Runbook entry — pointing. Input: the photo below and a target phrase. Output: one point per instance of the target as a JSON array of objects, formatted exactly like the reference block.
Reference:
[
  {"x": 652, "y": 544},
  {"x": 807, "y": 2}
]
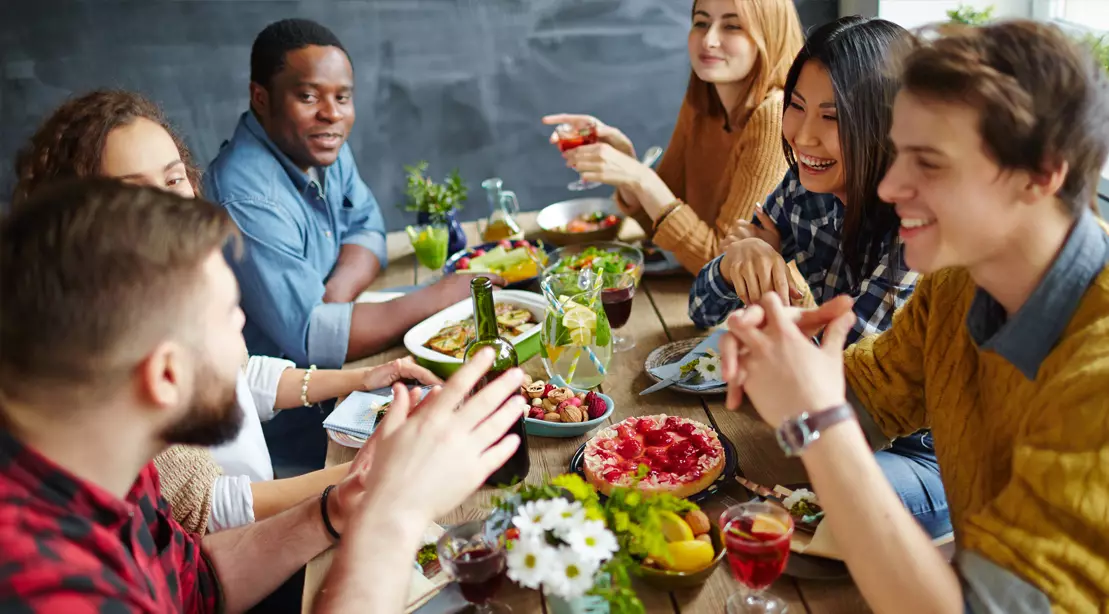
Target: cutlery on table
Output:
[{"x": 680, "y": 378}]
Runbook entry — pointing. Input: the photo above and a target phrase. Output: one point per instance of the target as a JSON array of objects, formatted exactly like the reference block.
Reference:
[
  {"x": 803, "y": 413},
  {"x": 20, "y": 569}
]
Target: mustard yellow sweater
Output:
[{"x": 1025, "y": 463}]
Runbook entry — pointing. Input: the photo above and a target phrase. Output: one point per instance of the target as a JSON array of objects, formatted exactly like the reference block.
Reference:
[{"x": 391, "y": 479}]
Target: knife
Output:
[
  {"x": 807, "y": 523},
  {"x": 670, "y": 381}
]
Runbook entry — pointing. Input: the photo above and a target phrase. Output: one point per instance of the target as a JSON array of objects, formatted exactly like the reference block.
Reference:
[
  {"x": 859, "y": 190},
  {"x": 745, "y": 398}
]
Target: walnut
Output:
[
  {"x": 581, "y": 395},
  {"x": 536, "y": 388},
  {"x": 537, "y": 402},
  {"x": 560, "y": 394},
  {"x": 553, "y": 417},
  {"x": 569, "y": 413}
]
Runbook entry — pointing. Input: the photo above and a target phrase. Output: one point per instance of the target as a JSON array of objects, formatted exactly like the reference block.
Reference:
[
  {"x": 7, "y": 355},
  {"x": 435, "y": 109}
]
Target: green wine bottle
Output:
[{"x": 517, "y": 466}]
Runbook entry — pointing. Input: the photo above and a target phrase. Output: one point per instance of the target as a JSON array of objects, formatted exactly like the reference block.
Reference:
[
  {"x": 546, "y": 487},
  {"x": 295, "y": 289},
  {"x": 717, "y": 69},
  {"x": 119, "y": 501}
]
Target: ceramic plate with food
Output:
[{"x": 447, "y": 326}]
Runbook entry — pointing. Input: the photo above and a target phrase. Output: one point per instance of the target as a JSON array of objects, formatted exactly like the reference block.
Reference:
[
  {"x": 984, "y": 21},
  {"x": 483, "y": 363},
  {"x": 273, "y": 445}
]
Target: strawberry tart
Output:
[{"x": 683, "y": 457}]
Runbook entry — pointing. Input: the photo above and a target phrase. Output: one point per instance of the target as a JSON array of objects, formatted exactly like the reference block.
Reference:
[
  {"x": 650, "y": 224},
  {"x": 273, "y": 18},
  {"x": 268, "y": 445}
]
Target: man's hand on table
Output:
[{"x": 456, "y": 287}]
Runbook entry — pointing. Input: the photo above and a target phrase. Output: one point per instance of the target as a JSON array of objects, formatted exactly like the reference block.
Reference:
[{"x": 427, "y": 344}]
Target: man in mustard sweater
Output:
[{"x": 1003, "y": 350}]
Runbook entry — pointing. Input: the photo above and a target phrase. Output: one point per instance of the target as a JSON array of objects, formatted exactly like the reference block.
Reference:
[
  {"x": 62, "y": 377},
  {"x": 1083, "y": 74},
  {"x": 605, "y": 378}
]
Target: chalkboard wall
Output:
[{"x": 460, "y": 83}]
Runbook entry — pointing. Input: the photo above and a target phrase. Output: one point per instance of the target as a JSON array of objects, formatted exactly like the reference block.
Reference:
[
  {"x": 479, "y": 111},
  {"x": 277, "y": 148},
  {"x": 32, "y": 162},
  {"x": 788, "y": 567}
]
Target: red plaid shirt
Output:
[{"x": 68, "y": 546}]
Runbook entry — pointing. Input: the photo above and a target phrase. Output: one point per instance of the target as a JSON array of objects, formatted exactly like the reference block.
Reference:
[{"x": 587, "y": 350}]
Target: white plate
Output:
[
  {"x": 343, "y": 439},
  {"x": 416, "y": 336}
]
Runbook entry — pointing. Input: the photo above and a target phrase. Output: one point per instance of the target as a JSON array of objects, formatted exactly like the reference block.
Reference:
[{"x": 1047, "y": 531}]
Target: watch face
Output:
[{"x": 792, "y": 435}]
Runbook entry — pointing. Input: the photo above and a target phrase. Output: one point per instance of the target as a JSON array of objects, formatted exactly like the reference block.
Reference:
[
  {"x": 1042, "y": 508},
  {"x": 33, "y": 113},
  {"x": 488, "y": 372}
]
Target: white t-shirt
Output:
[{"x": 246, "y": 458}]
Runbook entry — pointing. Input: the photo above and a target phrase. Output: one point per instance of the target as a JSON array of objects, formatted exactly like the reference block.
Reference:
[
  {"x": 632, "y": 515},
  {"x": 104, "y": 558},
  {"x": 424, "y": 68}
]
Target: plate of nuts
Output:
[{"x": 559, "y": 410}]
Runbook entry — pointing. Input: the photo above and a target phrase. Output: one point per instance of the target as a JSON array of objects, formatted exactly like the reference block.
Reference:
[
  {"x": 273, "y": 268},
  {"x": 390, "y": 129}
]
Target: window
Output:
[{"x": 1092, "y": 14}]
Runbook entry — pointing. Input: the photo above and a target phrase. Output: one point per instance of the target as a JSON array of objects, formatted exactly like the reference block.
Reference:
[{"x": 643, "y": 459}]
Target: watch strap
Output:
[{"x": 797, "y": 434}]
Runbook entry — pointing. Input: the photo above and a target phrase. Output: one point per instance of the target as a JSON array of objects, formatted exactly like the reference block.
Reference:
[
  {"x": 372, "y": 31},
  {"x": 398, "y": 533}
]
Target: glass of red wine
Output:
[
  {"x": 570, "y": 137},
  {"x": 475, "y": 556},
  {"x": 619, "y": 290},
  {"x": 756, "y": 536}
]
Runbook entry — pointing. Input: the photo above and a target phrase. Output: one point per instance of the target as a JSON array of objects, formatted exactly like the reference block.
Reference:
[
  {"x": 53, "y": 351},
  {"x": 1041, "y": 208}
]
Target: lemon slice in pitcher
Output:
[{"x": 580, "y": 317}]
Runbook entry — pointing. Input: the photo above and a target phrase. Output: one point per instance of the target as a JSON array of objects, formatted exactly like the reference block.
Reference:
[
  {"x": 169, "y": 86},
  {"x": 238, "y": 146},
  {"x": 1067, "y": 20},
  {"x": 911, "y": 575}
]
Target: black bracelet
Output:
[{"x": 326, "y": 518}]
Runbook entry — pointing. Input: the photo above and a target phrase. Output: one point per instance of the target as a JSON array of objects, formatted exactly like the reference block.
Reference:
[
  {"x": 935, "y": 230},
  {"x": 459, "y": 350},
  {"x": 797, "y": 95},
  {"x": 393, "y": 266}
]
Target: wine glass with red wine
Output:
[
  {"x": 475, "y": 556},
  {"x": 756, "y": 536},
  {"x": 619, "y": 290},
  {"x": 570, "y": 137}
]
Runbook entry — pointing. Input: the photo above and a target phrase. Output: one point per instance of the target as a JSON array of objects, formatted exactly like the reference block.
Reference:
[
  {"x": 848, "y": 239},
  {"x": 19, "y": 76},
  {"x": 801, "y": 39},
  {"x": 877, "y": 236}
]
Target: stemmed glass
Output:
[
  {"x": 756, "y": 536},
  {"x": 429, "y": 241},
  {"x": 570, "y": 137},
  {"x": 475, "y": 555},
  {"x": 618, "y": 294}
]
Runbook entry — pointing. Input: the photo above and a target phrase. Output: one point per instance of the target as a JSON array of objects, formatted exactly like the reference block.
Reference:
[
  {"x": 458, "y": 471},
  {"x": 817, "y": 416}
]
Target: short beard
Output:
[{"x": 213, "y": 417}]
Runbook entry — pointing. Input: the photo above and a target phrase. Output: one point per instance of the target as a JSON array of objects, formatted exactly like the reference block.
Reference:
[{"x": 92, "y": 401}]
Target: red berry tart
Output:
[{"x": 683, "y": 457}]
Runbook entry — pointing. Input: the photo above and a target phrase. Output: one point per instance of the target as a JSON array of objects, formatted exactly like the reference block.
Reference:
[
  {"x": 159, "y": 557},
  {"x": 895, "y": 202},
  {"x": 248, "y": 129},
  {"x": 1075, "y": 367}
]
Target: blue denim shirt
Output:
[{"x": 293, "y": 229}]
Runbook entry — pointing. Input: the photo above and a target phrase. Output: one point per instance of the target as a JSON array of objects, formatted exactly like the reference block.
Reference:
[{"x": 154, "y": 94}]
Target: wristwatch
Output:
[{"x": 798, "y": 433}]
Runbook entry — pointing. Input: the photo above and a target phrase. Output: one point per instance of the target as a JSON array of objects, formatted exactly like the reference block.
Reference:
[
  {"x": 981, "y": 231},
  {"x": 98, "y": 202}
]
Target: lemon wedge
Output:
[
  {"x": 580, "y": 317},
  {"x": 691, "y": 555},
  {"x": 768, "y": 525},
  {"x": 674, "y": 528}
]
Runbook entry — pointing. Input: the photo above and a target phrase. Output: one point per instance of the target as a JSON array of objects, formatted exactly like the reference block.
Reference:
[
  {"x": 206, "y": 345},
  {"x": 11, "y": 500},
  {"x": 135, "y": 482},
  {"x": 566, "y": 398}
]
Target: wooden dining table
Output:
[{"x": 659, "y": 316}]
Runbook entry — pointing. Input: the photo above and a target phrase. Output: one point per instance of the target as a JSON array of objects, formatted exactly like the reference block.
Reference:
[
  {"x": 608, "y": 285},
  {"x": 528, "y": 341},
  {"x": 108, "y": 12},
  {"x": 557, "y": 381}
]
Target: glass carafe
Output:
[
  {"x": 503, "y": 209},
  {"x": 576, "y": 339}
]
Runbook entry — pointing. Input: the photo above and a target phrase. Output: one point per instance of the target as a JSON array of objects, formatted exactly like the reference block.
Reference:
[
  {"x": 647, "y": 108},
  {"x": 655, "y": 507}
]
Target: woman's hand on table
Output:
[
  {"x": 605, "y": 133},
  {"x": 768, "y": 353},
  {"x": 394, "y": 371},
  {"x": 429, "y": 455}
]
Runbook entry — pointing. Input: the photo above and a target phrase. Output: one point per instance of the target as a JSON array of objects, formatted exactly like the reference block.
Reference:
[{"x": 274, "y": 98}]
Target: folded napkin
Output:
[
  {"x": 357, "y": 414},
  {"x": 823, "y": 544},
  {"x": 711, "y": 342}
]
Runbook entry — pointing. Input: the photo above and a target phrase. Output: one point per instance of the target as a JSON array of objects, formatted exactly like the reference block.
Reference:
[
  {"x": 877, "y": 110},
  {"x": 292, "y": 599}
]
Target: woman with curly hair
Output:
[{"x": 122, "y": 135}]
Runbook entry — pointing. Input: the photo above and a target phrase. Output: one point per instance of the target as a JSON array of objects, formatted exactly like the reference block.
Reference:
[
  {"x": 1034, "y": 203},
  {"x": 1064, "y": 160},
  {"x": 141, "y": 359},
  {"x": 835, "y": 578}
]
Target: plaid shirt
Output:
[
  {"x": 810, "y": 226},
  {"x": 69, "y": 546}
]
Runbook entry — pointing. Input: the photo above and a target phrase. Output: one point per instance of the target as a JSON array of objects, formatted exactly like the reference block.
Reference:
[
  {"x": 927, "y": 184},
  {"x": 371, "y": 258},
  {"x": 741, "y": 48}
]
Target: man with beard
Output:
[{"x": 122, "y": 335}]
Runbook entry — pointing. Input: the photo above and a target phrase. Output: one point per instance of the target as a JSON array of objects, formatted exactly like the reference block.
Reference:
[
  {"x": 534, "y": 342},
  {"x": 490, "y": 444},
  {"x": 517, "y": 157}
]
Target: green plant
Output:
[
  {"x": 435, "y": 199},
  {"x": 632, "y": 517},
  {"x": 968, "y": 15},
  {"x": 1099, "y": 45}
]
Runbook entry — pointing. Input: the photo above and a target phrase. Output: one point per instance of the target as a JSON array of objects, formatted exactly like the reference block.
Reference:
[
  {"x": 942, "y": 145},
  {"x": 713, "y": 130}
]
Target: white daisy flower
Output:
[
  {"x": 572, "y": 576},
  {"x": 708, "y": 367},
  {"x": 554, "y": 512},
  {"x": 531, "y": 562},
  {"x": 592, "y": 540},
  {"x": 571, "y": 518},
  {"x": 528, "y": 518}
]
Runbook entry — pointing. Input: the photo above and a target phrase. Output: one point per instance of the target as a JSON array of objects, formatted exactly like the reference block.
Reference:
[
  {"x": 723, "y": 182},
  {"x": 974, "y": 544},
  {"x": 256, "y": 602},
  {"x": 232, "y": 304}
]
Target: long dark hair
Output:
[{"x": 855, "y": 51}]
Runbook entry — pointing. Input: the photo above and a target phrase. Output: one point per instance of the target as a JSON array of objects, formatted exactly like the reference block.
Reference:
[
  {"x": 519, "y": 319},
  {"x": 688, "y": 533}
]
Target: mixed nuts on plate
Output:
[{"x": 554, "y": 404}]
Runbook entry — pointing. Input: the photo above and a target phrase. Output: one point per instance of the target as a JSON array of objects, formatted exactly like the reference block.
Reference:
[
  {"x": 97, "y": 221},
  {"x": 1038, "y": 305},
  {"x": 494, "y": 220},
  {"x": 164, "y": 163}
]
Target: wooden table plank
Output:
[
  {"x": 670, "y": 296},
  {"x": 761, "y": 460},
  {"x": 658, "y": 317}
]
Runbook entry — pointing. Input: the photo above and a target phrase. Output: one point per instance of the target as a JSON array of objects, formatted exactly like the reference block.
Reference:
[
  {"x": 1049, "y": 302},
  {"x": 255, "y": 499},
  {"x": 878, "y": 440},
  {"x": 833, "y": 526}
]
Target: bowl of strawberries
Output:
[{"x": 559, "y": 410}]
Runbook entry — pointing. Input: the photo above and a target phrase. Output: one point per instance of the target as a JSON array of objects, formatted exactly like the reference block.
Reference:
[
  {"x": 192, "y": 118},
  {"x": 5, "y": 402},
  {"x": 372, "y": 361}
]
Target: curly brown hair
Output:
[
  {"x": 1042, "y": 98},
  {"x": 71, "y": 141}
]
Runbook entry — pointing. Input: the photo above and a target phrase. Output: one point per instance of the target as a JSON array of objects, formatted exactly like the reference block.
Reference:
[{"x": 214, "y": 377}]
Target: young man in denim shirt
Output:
[{"x": 314, "y": 237}]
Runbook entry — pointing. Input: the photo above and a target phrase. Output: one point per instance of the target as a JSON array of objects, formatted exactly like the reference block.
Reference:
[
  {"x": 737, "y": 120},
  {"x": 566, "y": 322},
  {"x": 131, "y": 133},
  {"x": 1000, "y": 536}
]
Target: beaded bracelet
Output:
[{"x": 304, "y": 385}]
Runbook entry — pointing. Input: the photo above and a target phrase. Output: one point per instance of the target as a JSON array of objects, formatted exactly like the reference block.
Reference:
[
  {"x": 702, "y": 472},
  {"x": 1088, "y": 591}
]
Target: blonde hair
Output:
[{"x": 775, "y": 29}]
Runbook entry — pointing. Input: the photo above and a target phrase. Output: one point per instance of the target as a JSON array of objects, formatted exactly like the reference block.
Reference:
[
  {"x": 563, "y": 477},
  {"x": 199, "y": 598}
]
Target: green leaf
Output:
[{"x": 604, "y": 331}]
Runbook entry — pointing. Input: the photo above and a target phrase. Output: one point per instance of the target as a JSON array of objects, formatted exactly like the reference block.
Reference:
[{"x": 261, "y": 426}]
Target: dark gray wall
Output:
[{"x": 461, "y": 83}]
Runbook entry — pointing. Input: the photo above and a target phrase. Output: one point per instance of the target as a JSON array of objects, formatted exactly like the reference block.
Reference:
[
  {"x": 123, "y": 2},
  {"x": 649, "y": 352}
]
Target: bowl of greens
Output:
[{"x": 609, "y": 258}]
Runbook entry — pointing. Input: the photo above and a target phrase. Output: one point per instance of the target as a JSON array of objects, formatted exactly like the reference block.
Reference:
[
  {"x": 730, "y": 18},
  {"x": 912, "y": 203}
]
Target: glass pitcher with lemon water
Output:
[{"x": 576, "y": 339}]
